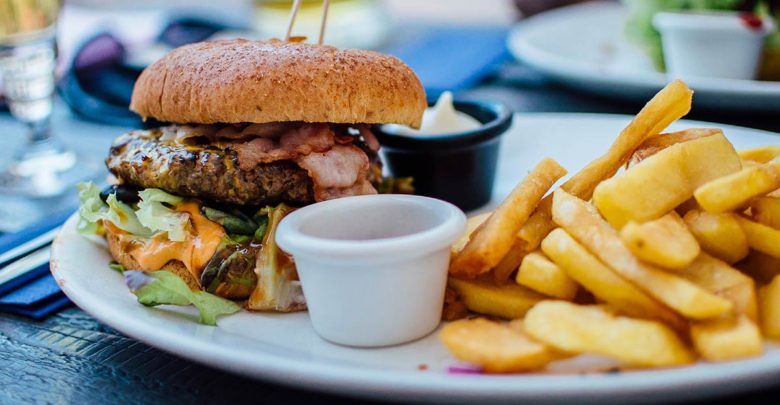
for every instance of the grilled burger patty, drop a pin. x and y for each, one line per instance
(205, 171)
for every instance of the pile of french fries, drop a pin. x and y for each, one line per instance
(673, 260)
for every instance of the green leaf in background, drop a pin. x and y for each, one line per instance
(166, 288)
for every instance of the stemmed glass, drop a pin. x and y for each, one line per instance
(43, 167)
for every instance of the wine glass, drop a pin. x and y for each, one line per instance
(43, 167)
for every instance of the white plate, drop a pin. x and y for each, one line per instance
(584, 47)
(284, 348)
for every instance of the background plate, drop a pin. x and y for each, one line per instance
(584, 46)
(284, 348)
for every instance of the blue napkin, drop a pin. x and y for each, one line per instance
(41, 309)
(11, 240)
(34, 294)
(20, 283)
(40, 290)
(454, 58)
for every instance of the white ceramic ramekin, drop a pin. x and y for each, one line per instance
(373, 268)
(712, 44)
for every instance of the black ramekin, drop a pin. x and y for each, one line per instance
(458, 167)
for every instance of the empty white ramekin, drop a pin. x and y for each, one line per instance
(373, 268)
(712, 44)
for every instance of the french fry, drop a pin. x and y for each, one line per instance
(760, 237)
(718, 234)
(727, 338)
(665, 242)
(583, 223)
(603, 282)
(496, 347)
(593, 329)
(508, 301)
(735, 191)
(472, 223)
(667, 106)
(769, 302)
(538, 273)
(761, 154)
(717, 277)
(760, 266)
(510, 262)
(665, 180)
(766, 210)
(539, 224)
(660, 142)
(491, 242)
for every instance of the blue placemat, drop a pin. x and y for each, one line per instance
(454, 58)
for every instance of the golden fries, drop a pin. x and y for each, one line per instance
(667, 106)
(766, 210)
(664, 242)
(510, 262)
(538, 273)
(508, 301)
(761, 237)
(584, 329)
(735, 191)
(769, 297)
(668, 289)
(727, 338)
(492, 241)
(761, 154)
(719, 278)
(665, 180)
(718, 234)
(583, 223)
(658, 143)
(603, 282)
(472, 224)
(496, 347)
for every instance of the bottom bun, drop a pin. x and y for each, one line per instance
(126, 260)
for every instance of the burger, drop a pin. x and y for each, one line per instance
(251, 130)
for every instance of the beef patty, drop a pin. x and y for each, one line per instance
(205, 170)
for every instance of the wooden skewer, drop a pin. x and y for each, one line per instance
(325, 5)
(293, 14)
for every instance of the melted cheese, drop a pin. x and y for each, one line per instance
(194, 252)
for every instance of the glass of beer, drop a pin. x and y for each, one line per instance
(43, 167)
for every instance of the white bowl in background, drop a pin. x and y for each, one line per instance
(712, 44)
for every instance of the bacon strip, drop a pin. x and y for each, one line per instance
(294, 143)
(336, 166)
(339, 172)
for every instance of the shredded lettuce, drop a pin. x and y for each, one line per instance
(155, 215)
(92, 209)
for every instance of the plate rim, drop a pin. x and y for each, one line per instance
(366, 382)
(567, 69)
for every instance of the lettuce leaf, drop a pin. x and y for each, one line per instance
(166, 288)
(155, 215)
(92, 209)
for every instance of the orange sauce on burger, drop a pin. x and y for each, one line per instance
(194, 252)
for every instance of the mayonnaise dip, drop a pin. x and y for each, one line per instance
(440, 119)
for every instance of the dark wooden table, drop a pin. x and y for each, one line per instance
(72, 358)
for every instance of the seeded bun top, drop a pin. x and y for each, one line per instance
(233, 81)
